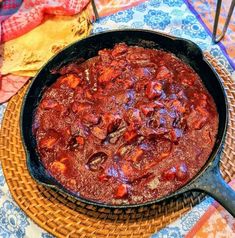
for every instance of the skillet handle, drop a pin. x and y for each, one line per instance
(214, 185)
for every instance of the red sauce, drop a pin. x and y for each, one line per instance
(127, 126)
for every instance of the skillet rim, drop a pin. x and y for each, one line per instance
(212, 160)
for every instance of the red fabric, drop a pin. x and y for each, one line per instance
(10, 85)
(31, 14)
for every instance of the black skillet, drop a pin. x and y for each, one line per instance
(208, 179)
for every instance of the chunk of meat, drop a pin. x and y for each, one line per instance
(153, 90)
(119, 64)
(147, 110)
(80, 107)
(165, 73)
(91, 119)
(136, 155)
(130, 174)
(99, 133)
(119, 49)
(138, 55)
(187, 78)
(49, 140)
(111, 122)
(105, 56)
(152, 133)
(198, 118)
(143, 73)
(108, 74)
(130, 135)
(48, 104)
(178, 106)
(133, 118)
(71, 80)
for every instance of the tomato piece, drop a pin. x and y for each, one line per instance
(71, 80)
(136, 155)
(58, 167)
(181, 171)
(169, 174)
(103, 177)
(122, 191)
(80, 140)
(130, 135)
(108, 75)
(164, 73)
(126, 169)
(147, 110)
(49, 140)
(88, 95)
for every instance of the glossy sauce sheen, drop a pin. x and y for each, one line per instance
(127, 126)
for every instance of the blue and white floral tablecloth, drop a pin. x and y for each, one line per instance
(168, 16)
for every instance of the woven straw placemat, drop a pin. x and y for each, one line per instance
(63, 216)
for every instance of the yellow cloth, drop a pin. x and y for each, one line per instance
(26, 54)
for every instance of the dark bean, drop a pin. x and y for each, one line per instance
(95, 162)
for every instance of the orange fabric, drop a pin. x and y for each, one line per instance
(216, 221)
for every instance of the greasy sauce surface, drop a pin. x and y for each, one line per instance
(127, 126)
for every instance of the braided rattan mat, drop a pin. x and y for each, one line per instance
(64, 217)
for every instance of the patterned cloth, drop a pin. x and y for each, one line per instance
(206, 218)
(13, 221)
(205, 12)
(32, 13)
(8, 8)
(183, 225)
(10, 85)
(169, 16)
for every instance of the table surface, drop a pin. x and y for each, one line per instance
(169, 16)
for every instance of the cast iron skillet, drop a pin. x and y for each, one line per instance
(208, 179)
